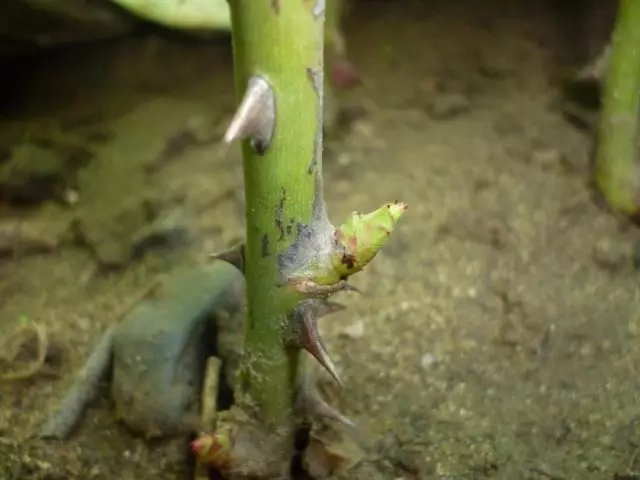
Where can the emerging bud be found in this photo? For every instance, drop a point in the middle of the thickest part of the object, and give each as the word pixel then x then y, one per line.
pixel 355 245
pixel 213 450
pixel 363 236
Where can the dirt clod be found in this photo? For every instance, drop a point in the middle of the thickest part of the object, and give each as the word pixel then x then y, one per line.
pixel 40 169
pixel 446 106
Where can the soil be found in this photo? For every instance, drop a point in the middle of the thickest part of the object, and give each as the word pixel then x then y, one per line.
pixel 497 337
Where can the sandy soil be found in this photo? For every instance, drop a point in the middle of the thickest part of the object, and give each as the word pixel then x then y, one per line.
pixel 498 335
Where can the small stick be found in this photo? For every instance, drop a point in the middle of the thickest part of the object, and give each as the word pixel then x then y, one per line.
pixel 82 392
pixel 209 408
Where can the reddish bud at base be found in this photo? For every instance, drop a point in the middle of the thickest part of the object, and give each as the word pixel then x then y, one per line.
pixel 344 75
pixel 212 450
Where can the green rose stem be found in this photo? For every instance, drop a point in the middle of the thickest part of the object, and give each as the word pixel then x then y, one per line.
pixel 293 257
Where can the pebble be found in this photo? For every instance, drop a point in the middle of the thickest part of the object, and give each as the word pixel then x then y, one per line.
pixel 546 158
pixel 344 159
pixel 354 331
pixel 495 68
pixel 611 255
pixel 427 361
pixel 71 197
pixel 508 125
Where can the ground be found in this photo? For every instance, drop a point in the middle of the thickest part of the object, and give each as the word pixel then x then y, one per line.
pixel 498 332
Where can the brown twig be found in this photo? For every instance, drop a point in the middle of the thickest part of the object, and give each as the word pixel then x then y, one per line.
pixel 209 407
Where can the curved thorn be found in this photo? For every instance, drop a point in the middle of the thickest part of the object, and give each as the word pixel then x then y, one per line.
pixel 255 117
pixel 327 307
pixel 323 409
pixel 234 255
pixel 310 400
pixel 313 289
pixel 347 287
pixel 309 339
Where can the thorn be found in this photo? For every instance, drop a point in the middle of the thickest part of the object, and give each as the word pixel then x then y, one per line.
pixel 255 117
pixel 310 401
pixel 347 287
pixel 323 409
pixel 316 290
pixel 327 307
pixel 234 255
pixel 308 337
pixel 310 340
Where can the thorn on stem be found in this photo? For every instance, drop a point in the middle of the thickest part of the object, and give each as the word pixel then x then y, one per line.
pixel 256 116
pixel 234 255
pixel 347 287
pixel 315 290
pixel 327 307
pixel 306 335
pixel 311 402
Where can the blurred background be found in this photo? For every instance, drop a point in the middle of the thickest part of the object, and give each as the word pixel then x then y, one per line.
pixel 497 337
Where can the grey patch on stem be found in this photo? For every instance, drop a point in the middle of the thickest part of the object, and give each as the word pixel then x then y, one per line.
pixel 293 256
pixel 319 207
pixel 275 6
pixel 316 77
pixel 280 213
pixel 314 244
pixel 256 116
pixel 265 246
